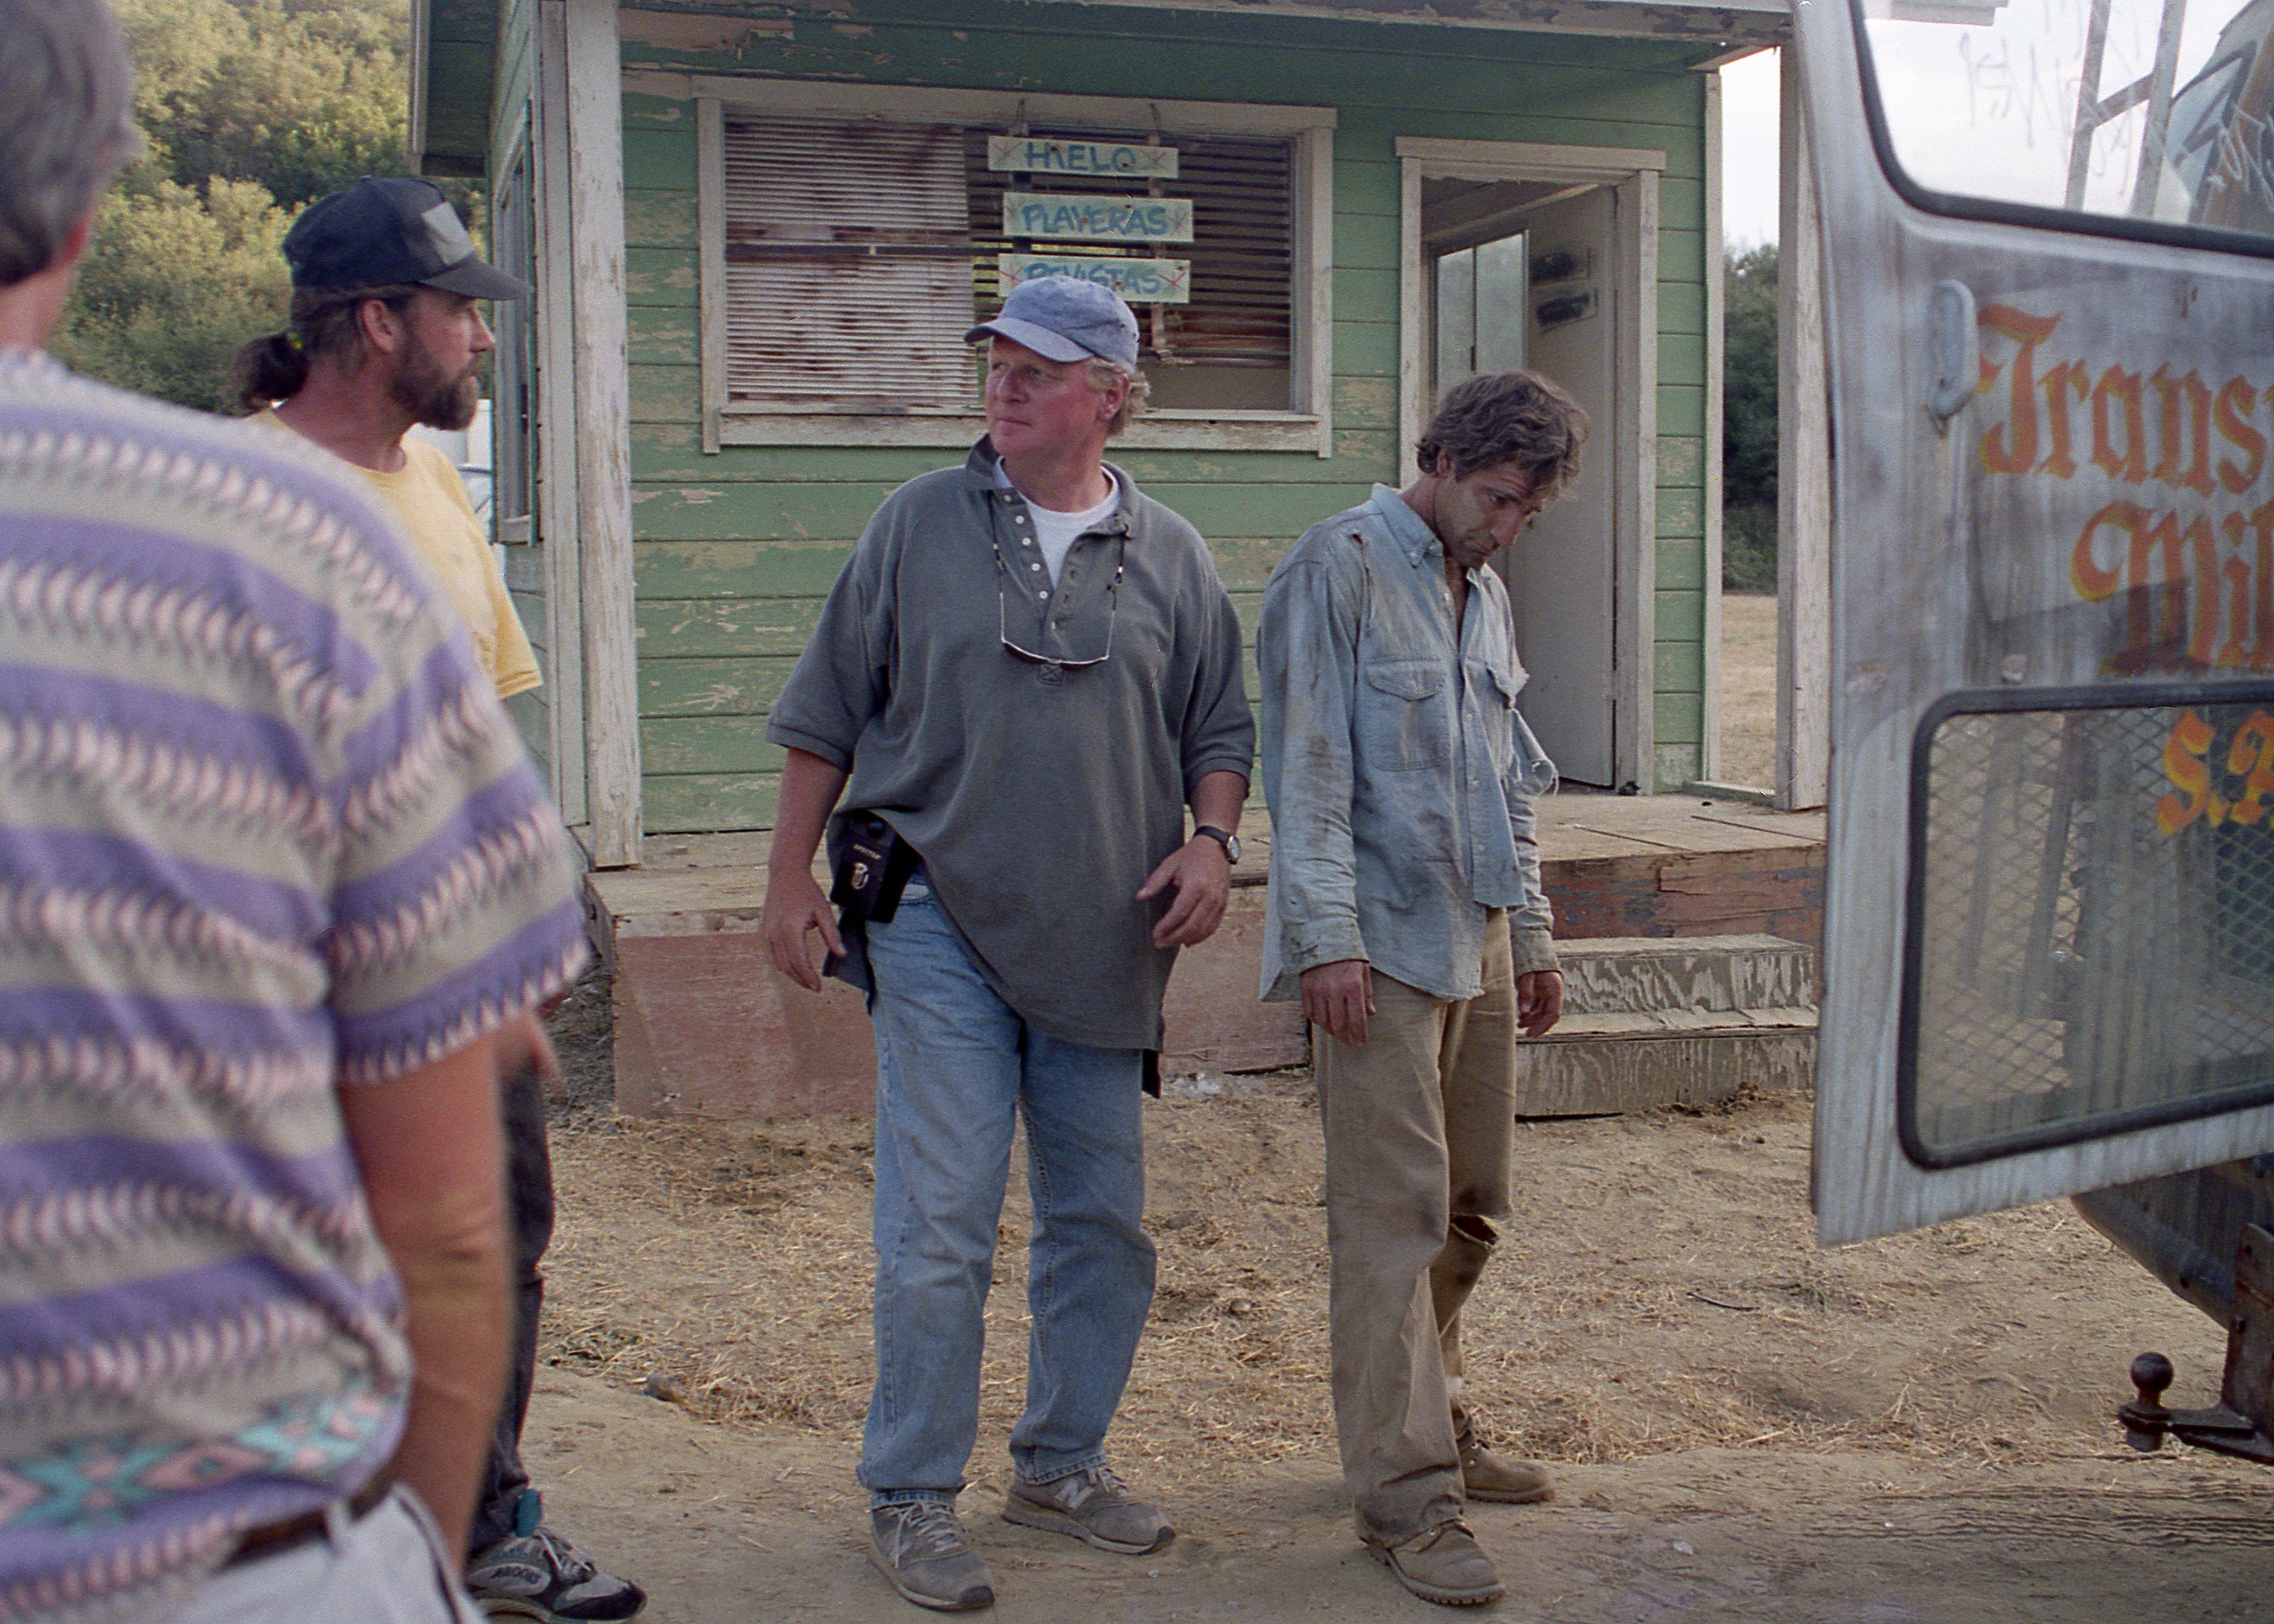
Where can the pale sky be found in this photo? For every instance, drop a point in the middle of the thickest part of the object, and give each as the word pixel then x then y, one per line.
pixel 1749 151
pixel 1986 110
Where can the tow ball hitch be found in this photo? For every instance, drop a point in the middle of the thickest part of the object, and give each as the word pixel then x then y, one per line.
pixel 2242 1422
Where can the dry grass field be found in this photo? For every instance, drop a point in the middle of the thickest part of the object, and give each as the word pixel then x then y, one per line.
pixel 1748 666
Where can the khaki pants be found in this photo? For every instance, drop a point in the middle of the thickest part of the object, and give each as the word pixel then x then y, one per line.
pixel 1419 1125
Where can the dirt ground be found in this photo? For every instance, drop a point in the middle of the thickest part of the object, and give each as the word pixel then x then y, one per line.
pixel 1742 1426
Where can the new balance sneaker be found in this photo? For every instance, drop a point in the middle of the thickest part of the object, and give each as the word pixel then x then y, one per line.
pixel 542 1575
pixel 919 1545
pixel 1093 1504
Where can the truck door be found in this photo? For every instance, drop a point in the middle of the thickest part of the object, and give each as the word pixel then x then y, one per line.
pixel 2048 933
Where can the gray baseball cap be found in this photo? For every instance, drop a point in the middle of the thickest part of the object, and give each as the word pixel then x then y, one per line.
pixel 1065 318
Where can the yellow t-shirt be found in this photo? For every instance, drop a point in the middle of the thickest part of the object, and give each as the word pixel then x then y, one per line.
pixel 429 500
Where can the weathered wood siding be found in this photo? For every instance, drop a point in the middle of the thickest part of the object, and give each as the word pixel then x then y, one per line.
pixel 734 551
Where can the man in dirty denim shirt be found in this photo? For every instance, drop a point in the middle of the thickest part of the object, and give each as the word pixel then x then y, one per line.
pixel 1406 913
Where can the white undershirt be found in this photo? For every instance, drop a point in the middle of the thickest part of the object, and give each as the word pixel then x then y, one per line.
pixel 1055 531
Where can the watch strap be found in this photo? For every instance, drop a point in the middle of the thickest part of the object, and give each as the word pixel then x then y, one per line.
pixel 1223 837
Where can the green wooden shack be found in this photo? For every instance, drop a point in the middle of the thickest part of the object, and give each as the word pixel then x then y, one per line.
pixel 758 229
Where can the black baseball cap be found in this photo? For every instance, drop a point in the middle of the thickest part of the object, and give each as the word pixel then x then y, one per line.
pixel 387 229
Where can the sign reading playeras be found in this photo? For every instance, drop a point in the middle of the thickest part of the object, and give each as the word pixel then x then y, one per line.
pixel 1125 219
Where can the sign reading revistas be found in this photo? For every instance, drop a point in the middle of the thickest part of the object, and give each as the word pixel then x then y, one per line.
pixel 1140 282
pixel 1122 159
pixel 1125 219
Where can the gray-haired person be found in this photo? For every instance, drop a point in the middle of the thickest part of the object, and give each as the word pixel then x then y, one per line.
pixel 252 1266
pixel 1023 676
pixel 1405 911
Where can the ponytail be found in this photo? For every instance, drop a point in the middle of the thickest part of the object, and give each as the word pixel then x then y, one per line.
pixel 325 322
pixel 267 369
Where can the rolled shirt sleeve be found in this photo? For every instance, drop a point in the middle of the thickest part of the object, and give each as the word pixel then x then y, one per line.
pixel 1532 925
pixel 1219 727
pixel 1307 651
pixel 843 678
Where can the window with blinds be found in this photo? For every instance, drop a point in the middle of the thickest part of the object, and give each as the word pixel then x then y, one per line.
pixel 859 250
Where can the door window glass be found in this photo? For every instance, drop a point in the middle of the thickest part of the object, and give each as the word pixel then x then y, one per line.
pixel 2141 110
pixel 2092 927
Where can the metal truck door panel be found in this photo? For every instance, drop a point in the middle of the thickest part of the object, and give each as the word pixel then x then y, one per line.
pixel 2049 233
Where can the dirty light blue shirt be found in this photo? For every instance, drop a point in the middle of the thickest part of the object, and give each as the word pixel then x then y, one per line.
pixel 1399 772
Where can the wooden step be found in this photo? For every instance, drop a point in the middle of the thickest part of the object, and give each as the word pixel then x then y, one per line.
pixel 1686 1021
pixel 1605 975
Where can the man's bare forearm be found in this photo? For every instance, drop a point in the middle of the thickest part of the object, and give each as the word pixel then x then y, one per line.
pixel 1218 798
pixel 808 792
pixel 432 1150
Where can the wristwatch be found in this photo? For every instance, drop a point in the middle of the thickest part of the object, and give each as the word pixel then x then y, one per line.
pixel 1223 837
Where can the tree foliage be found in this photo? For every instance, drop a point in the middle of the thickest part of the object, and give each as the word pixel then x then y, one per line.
pixel 250 109
pixel 1749 421
pixel 1749 392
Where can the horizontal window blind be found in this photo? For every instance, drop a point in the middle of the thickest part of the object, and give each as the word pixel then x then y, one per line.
pixel 849 265
pixel 858 250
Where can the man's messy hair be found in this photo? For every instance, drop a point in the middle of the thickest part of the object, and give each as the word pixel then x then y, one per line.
pixel 1498 417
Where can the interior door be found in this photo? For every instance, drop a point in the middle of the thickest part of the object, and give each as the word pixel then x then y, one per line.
pixel 1561 573
pixel 2048 933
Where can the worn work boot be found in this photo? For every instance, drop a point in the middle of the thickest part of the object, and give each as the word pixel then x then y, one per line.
pixel 919 1545
pixel 1445 1565
pixel 1092 1505
pixel 1487 1475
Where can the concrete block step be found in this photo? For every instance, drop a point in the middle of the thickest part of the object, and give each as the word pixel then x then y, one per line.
pixel 1614 975
pixel 1683 1020
pixel 1601 1075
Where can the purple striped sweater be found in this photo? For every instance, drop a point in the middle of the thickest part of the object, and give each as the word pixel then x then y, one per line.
pixel 265 833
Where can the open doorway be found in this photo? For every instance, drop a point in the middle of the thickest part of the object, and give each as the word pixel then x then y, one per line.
pixel 1545 256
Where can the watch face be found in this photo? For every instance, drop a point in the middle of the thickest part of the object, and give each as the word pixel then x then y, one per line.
pixel 1231 848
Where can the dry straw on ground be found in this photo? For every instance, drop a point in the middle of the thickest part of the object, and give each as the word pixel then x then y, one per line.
pixel 1657 1290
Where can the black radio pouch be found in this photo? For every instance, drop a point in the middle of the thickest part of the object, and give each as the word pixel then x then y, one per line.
pixel 869 867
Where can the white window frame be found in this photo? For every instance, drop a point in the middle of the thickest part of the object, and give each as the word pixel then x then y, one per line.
pixel 1306 426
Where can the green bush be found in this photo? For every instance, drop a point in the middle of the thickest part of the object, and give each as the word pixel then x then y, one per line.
pixel 1749 547
pixel 250 109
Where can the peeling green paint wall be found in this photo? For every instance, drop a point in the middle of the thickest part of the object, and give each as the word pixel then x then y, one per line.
pixel 734 551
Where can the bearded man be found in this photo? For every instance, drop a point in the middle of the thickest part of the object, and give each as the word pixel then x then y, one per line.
pixel 387 335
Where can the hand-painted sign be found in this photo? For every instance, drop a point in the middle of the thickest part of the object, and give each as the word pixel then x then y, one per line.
pixel 1124 160
pixel 1125 219
pixel 1140 282
pixel 2164 477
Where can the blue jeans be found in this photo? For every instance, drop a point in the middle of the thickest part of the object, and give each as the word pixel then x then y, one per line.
pixel 954 1062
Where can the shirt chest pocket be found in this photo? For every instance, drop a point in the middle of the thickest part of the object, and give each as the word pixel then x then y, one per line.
pixel 1404 723
pixel 1496 689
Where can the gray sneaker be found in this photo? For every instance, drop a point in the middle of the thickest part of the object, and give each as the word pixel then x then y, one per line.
pixel 919 1545
pixel 1092 1505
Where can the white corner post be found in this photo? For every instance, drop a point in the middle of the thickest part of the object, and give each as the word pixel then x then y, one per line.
pixel 594 129
pixel 1709 737
pixel 1804 707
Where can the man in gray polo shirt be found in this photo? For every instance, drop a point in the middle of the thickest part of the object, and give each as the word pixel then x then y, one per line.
pixel 1027 672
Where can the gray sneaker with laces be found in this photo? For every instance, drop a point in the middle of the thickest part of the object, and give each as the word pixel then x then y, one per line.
pixel 542 1575
pixel 1092 1505
pixel 919 1545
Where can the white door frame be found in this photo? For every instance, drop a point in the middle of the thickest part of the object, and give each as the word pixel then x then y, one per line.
pixel 1632 172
